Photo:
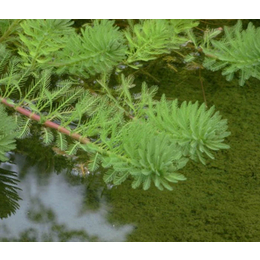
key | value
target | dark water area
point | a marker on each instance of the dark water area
(219, 201)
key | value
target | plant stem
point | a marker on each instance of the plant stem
(9, 30)
(47, 123)
(202, 88)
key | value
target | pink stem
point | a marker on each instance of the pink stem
(47, 123)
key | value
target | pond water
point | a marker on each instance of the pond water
(54, 208)
(219, 201)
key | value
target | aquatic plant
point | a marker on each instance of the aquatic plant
(8, 133)
(238, 51)
(131, 134)
(8, 193)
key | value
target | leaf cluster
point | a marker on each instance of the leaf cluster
(40, 39)
(150, 146)
(238, 51)
(9, 30)
(8, 133)
(146, 156)
(129, 133)
(195, 129)
(74, 109)
(150, 38)
(97, 50)
(8, 193)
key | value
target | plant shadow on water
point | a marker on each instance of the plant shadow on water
(58, 207)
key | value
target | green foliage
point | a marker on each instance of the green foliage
(196, 129)
(24, 126)
(146, 156)
(10, 73)
(133, 104)
(94, 162)
(61, 141)
(9, 29)
(46, 135)
(98, 50)
(73, 148)
(150, 149)
(8, 193)
(130, 134)
(42, 38)
(8, 134)
(147, 39)
(183, 25)
(238, 51)
(150, 38)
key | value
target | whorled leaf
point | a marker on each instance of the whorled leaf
(147, 157)
(8, 193)
(197, 130)
(237, 51)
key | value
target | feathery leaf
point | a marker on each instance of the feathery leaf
(237, 51)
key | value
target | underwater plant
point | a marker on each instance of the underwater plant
(8, 134)
(9, 197)
(133, 135)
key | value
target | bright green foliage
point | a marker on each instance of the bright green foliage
(61, 141)
(237, 51)
(94, 162)
(183, 25)
(73, 148)
(24, 126)
(147, 39)
(129, 133)
(150, 148)
(134, 104)
(100, 117)
(150, 38)
(98, 50)
(46, 136)
(196, 129)
(146, 156)
(7, 133)
(10, 73)
(154, 148)
(42, 38)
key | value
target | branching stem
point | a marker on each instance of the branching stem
(47, 123)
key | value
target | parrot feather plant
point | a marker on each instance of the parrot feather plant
(43, 64)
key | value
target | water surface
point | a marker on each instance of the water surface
(54, 208)
(219, 201)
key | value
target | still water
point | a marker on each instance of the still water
(53, 208)
(219, 201)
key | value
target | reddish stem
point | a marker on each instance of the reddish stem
(47, 123)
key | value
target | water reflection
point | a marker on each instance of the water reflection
(59, 207)
(8, 192)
